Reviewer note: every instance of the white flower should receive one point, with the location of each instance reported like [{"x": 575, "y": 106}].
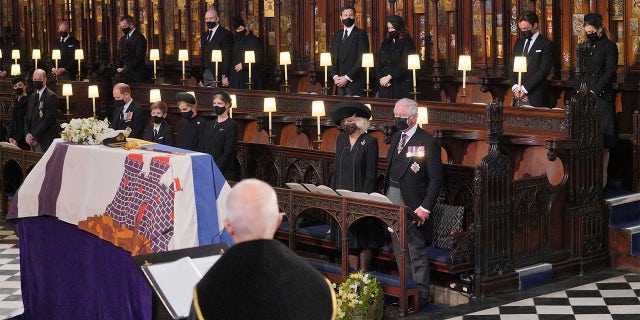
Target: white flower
[{"x": 84, "y": 131}]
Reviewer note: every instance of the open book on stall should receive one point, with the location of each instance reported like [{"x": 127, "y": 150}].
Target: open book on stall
[
  {"x": 373, "y": 196},
  {"x": 174, "y": 274}
]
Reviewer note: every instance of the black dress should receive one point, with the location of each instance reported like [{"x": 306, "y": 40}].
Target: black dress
[
  {"x": 356, "y": 170},
  {"x": 190, "y": 132},
  {"x": 16, "y": 129},
  {"x": 392, "y": 60}
]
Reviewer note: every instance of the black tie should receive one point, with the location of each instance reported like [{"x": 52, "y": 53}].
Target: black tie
[
  {"x": 527, "y": 46},
  {"x": 210, "y": 36},
  {"x": 155, "y": 132},
  {"x": 346, "y": 34}
]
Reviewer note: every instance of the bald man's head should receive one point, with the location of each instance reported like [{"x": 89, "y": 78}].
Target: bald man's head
[{"x": 252, "y": 211}]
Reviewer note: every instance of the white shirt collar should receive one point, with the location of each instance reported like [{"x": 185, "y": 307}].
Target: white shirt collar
[
  {"x": 349, "y": 29},
  {"x": 411, "y": 131},
  {"x": 126, "y": 106}
]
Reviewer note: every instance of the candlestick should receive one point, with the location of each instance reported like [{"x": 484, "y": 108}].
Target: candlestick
[
  {"x": 325, "y": 61},
  {"x": 464, "y": 64},
  {"x": 317, "y": 110},
  {"x": 35, "y": 55},
  {"x": 367, "y": 62},
  {"x": 79, "y": 54},
  {"x": 154, "y": 55},
  {"x": 93, "y": 94},
  {"x": 269, "y": 107},
  {"x": 519, "y": 66},
  {"x": 15, "y": 55},
  {"x": 216, "y": 56},
  {"x": 234, "y": 104},
  {"x": 413, "y": 63},
  {"x": 67, "y": 90},
  {"x": 183, "y": 56},
  {"x": 55, "y": 55},
  {"x": 249, "y": 58}
]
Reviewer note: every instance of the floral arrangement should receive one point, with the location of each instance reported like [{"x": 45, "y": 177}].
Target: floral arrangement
[
  {"x": 84, "y": 131},
  {"x": 360, "y": 297}
]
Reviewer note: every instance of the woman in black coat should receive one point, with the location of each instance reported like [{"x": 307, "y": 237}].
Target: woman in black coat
[
  {"x": 356, "y": 169},
  {"x": 395, "y": 78},
  {"x": 600, "y": 78},
  {"x": 220, "y": 137}
]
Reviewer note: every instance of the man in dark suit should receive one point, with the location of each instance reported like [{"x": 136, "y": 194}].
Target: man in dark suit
[
  {"x": 40, "y": 122},
  {"x": 347, "y": 47},
  {"x": 215, "y": 38},
  {"x": 128, "y": 115},
  {"x": 414, "y": 179},
  {"x": 68, "y": 65},
  {"x": 245, "y": 41},
  {"x": 538, "y": 50},
  {"x": 132, "y": 49},
  {"x": 259, "y": 277}
]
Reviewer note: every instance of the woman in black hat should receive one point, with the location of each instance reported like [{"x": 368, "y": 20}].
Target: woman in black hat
[
  {"x": 191, "y": 125},
  {"x": 393, "y": 75},
  {"x": 220, "y": 137},
  {"x": 356, "y": 169}
]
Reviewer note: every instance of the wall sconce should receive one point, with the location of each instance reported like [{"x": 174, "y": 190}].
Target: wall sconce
[
  {"x": 367, "y": 62},
  {"x": 67, "y": 91}
]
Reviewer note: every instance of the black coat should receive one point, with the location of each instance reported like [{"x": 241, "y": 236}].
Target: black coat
[
  {"x": 219, "y": 140},
  {"x": 164, "y": 136},
  {"x": 364, "y": 167},
  {"x": 222, "y": 40},
  {"x": 346, "y": 58},
  {"x": 239, "y": 79},
  {"x": 190, "y": 133},
  {"x": 136, "y": 119},
  {"x": 40, "y": 120},
  {"x": 131, "y": 55},
  {"x": 16, "y": 128},
  {"x": 602, "y": 67},
  {"x": 392, "y": 60},
  {"x": 67, "y": 57},
  {"x": 539, "y": 64},
  {"x": 263, "y": 279},
  {"x": 420, "y": 178}
]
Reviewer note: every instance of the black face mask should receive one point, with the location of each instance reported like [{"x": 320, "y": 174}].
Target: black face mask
[
  {"x": 349, "y": 128},
  {"x": 38, "y": 85},
  {"x": 157, "y": 119},
  {"x": 187, "y": 114},
  {"x": 211, "y": 24},
  {"x": 393, "y": 34},
  {"x": 592, "y": 37},
  {"x": 63, "y": 34},
  {"x": 401, "y": 123},
  {"x": 219, "y": 110},
  {"x": 126, "y": 30},
  {"x": 119, "y": 103},
  {"x": 240, "y": 34},
  {"x": 348, "y": 22},
  {"x": 527, "y": 34},
  {"x": 19, "y": 91}
]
